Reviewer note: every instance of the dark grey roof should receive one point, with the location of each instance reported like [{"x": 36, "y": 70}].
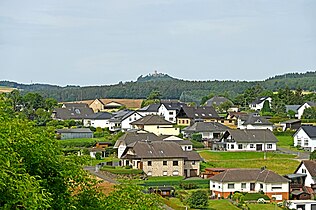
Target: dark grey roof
[
  {"x": 249, "y": 175},
  {"x": 150, "y": 108},
  {"x": 202, "y": 112},
  {"x": 180, "y": 142},
  {"x": 151, "y": 120},
  {"x": 292, "y": 107},
  {"x": 291, "y": 121},
  {"x": 309, "y": 130},
  {"x": 216, "y": 100},
  {"x": 74, "y": 130},
  {"x": 121, "y": 115},
  {"x": 173, "y": 105},
  {"x": 192, "y": 155},
  {"x": 251, "y": 136},
  {"x": 259, "y": 100},
  {"x": 311, "y": 103},
  {"x": 206, "y": 127},
  {"x": 131, "y": 137},
  {"x": 255, "y": 119},
  {"x": 72, "y": 111},
  {"x": 157, "y": 149},
  {"x": 99, "y": 116}
]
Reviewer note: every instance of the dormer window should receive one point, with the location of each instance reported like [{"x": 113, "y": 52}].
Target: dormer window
[
  {"x": 196, "y": 115},
  {"x": 203, "y": 115},
  {"x": 258, "y": 121},
  {"x": 77, "y": 111}
]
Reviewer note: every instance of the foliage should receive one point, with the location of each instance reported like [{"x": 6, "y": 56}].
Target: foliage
[
  {"x": 255, "y": 196},
  {"x": 312, "y": 156},
  {"x": 266, "y": 107},
  {"x": 130, "y": 196},
  {"x": 120, "y": 170},
  {"x": 197, "y": 144},
  {"x": 309, "y": 113},
  {"x": 196, "y": 137},
  {"x": 33, "y": 172},
  {"x": 198, "y": 199}
]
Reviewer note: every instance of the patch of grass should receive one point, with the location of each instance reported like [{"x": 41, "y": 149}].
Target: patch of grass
[
  {"x": 174, "y": 203},
  {"x": 285, "y": 141},
  {"x": 213, "y": 155},
  {"x": 197, "y": 144},
  {"x": 263, "y": 207},
  {"x": 221, "y": 204},
  {"x": 165, "y": 178}
]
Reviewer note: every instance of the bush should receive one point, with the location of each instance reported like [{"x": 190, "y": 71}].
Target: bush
[
  {"x": 198, "y": 199},
  {"x": 196, "y": 137},
  {"x": 187, "y": 185},
  {"x": 98, "y": 155}
]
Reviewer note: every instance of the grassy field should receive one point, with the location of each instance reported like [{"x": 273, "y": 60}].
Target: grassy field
[
  {"x": 280, "y": 163},
  {"x": 82, "y": 142}
]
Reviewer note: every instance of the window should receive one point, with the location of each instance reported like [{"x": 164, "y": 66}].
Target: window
[
  {"x": 170, "y": 113},
  {"x": 303, "y": 171},
  {"x": 171, "y": 119},
  {"x": 239, "y": 146},
  {"x": 230, "y": 121},
  {"x": 243, "y": 185},
  {"x": 261, "y": 186},
  {"x": 269, "y": 146},
  {"x": 149, "y": 173},
  {"x": 165, "y": 173},
  {"x": 213, "y": 185},
  {"x": 130, "y": 119},
  {"x": 251, "y": 146},
  {"x": 231, "y": 186},
  {"x": 299, "y": 142},
  {"x": 305, "y": 142},
  {"x": 149, "y": 163},
  {"x": 175, "y": 173},
  {"x": 164, "y": 162},
  {"x": 193, "y": 162},
  {"x": 189, "y": 147},
  {"x": 175, "y": 163},
  {"x": 276, "y": 186},
  {"x": 222, "y": 121},
  {"x": 187, "y": 121},
  {"x": 232, "y": 146}
]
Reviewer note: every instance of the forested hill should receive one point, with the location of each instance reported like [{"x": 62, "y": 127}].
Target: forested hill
[{"x": 169, "y": 89}]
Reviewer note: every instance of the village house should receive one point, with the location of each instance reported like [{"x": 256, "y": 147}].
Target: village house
[
  {"x": 231, "y": 119},
  {"x": 208, "y": 130},
  {"x": 151, "y": 109},
  {"x": 253, "y": 121},
  {"x": 155, "y": 124},
  {"x": 301, "y": 109},
  {"x": 292, "y": 124},
  {"x": 74, "y": 133},
  {"x": 250, "y": 180},
  {"x": 247, "y": 140},
  {"x": 305, "y": 137},
  {"x": 257, "y": 105},
  {"x": 170, "y": 109},
  {"x": 217, "y": 101},
  {"x": 121, "y": 120},
  {"x": 185, "y": 144},
  {"x": 189, "y": 115},
  {"x": 72, "y": 111},
  {"x": 161, "y": 158},
  {"x": 100, "y": 119}
]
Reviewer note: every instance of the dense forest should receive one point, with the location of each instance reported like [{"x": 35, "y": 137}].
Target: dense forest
[{"x": 169, "y": 88}]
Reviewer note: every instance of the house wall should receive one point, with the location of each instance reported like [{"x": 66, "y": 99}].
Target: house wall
[
  {"x": 309, "y": 180},
  {"x": 300, "y": 111},
  {"x": 162, "y": 130},
  {"x": 303, "y": 140},
  {"x": 242, "y": 127},
  {"x": 250, "y": 146},
  {"x": 158, "y": 169},
  {"x": 115, "y": 126},
  {"x": 189, "y": 165},
  {"x": 125, "y": 124},
  {"x": 102, "y": 123},
  {"x": 96, "y": 106},
  {"x": 120, "y": 150},
  {"x": 142, "y": 113},
  {"x": 300, "y": 204},
  {"x": 183, "y": 121},
  {"x": 221, "y": 189},
  {"x": 169, "y": 115}
]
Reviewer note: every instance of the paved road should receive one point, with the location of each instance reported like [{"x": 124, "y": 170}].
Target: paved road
[
  {"x": 300, "y": 155},
  {"x": 92, "y": 170}
]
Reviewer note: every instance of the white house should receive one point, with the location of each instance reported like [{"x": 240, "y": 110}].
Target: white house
[
  {"x": 307, "y": 167},
  {"x": 301, "y": 109},
  {"x": 253, "y": 121},
  {"x": 100, "y": 119},
  {"x": 170, "y": 110},
  {"x": 248, "y": 140},
  {"x": 257, "y": 105},
  {"x": 151, "y": 109},
  {"x": 302, "y": 204},
  {"x": 305, "y": 137},
  {"x": 185, "y": 144},
  {"x": 122, "y": 120},
  {"x": 249, "y": 180}
]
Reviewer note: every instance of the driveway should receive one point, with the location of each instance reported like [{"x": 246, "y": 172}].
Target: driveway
[{"x": 300, "y": 155}]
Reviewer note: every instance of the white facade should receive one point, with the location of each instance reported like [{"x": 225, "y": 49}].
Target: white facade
[
  {"x": 126, "y": 123},
  {"x": 259, "y": 106},
  {"x": 302, "y": 204},
  {"x": 300, "y": 110},
  {"x": 256, "y": 126},
  {"x": 234, "y": 146},
  {"x": 102, "y": 123},
  {"x": 303, "y": 140},
  {"x": 169, "y": 115},
  {"x": 309, "y": 179}
]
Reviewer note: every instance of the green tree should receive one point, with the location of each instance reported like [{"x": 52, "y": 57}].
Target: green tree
[
  {"x": 198, "y": 199},
  {"x": 266, "y": 107},
  {"x": 223, "y": 107},
  {"x": 309, "y": 113},
  {"x": 312, "y": 156}
]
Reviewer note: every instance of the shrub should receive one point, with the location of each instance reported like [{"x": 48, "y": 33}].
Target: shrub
[
  {"x": 98, "y": 155},
  {"x": 198, "y": 199},
  {"x": 196, "y": 137}
]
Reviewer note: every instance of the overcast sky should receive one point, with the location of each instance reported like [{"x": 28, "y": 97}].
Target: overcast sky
[{"x": 94, "y": 42}]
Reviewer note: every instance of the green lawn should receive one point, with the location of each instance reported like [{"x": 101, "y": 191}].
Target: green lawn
[
  {"x": 263, "y": 207},
  {"x": 279, "y": 163},
  {"x": 221, "y": 204},
  {"x": 81, "y": 142}
]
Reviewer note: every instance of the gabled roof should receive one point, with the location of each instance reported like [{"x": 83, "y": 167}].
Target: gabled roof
[
  {"x": 131, "y": 137},
  {"x": 202, "y": 112},
  {"x": 310, "y": 103},
  {"x": 260, "y": 100},
  {"x": 192, "y": 155},
  {"x": 121, "y": 115},
  {"x": 251, "y": 136},
  {"x": 74, "y": 130},
  {"x": 128, "y": 103},
  {"x": 157, "y": 149},
  {"x": 152, "y": 120},
  {"x": 249, "y": 175},
  {"x": 73, "y": 111},
  {"x": 291, "y": 121},
  {"x": 173, "y": 105},
  {"x": 206, "y": 127},
  {"x": 150, "y": 108},
  {"x": 99, "y": 116},
  {"x": 216, "y": 100},
  {"x": 255, "y": 119},
  {"x": 309, "y": 130},
  {"x": 310, "y": 166}
]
